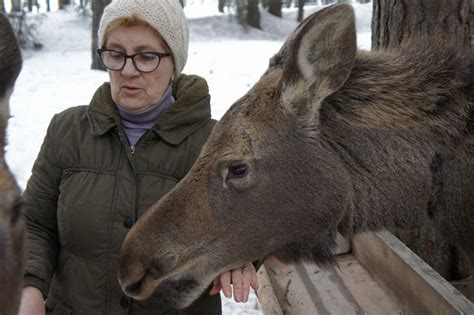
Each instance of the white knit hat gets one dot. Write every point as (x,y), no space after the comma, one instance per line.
(165,16)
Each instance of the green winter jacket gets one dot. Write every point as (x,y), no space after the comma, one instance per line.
(88,188)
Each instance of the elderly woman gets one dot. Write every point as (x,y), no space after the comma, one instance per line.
(102,165)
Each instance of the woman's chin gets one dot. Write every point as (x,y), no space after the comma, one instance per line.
(131,104)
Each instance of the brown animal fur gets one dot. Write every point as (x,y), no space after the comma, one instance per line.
(328,140)
(12,225)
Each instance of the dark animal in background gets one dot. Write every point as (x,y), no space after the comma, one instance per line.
(329,139)
(12,223)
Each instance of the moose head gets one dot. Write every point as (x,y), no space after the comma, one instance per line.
(329,139)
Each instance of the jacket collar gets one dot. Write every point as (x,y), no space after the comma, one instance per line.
(189,112)
(102,113)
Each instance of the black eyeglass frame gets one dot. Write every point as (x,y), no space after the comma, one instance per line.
(158,54)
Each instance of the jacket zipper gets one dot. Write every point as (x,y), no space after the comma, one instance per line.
(130,159)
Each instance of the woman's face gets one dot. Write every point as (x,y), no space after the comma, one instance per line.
(131,89)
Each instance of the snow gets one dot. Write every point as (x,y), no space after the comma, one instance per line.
(230,57)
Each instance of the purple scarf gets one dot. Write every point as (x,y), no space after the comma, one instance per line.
(135,124)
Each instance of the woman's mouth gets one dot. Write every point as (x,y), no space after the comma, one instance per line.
(130,89)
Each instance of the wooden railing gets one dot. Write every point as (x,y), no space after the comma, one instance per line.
(380,275)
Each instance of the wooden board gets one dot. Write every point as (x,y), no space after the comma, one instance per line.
(418,288)
(380,276)
(266,293)
(305,289)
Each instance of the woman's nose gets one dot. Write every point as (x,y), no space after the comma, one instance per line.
(129,68)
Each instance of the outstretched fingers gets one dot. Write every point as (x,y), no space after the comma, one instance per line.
(236,282)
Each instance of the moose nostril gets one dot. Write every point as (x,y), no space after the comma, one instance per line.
(134,288)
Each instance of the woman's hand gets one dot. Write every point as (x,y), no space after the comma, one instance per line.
(241,280)
(32,302)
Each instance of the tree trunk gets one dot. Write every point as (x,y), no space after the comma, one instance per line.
(63,3)
(48,6)
(2,7)
(241,9)
(393,23)
(97,9)
(16,6)
(300,10)
(30,5)
(253,14)
(221,5)
(274,7)
(85,3)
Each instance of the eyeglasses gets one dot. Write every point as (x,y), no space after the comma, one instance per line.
(143,62)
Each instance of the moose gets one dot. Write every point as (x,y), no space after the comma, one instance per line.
(12,223)
(330,139)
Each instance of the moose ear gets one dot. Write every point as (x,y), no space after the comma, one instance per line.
(319,58)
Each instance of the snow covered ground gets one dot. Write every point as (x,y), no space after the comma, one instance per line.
(59,76)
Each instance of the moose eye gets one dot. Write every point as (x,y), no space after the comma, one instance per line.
(238,170)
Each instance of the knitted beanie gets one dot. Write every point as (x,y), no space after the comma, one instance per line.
(165,16)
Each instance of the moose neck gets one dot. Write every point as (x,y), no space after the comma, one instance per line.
(392,123)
